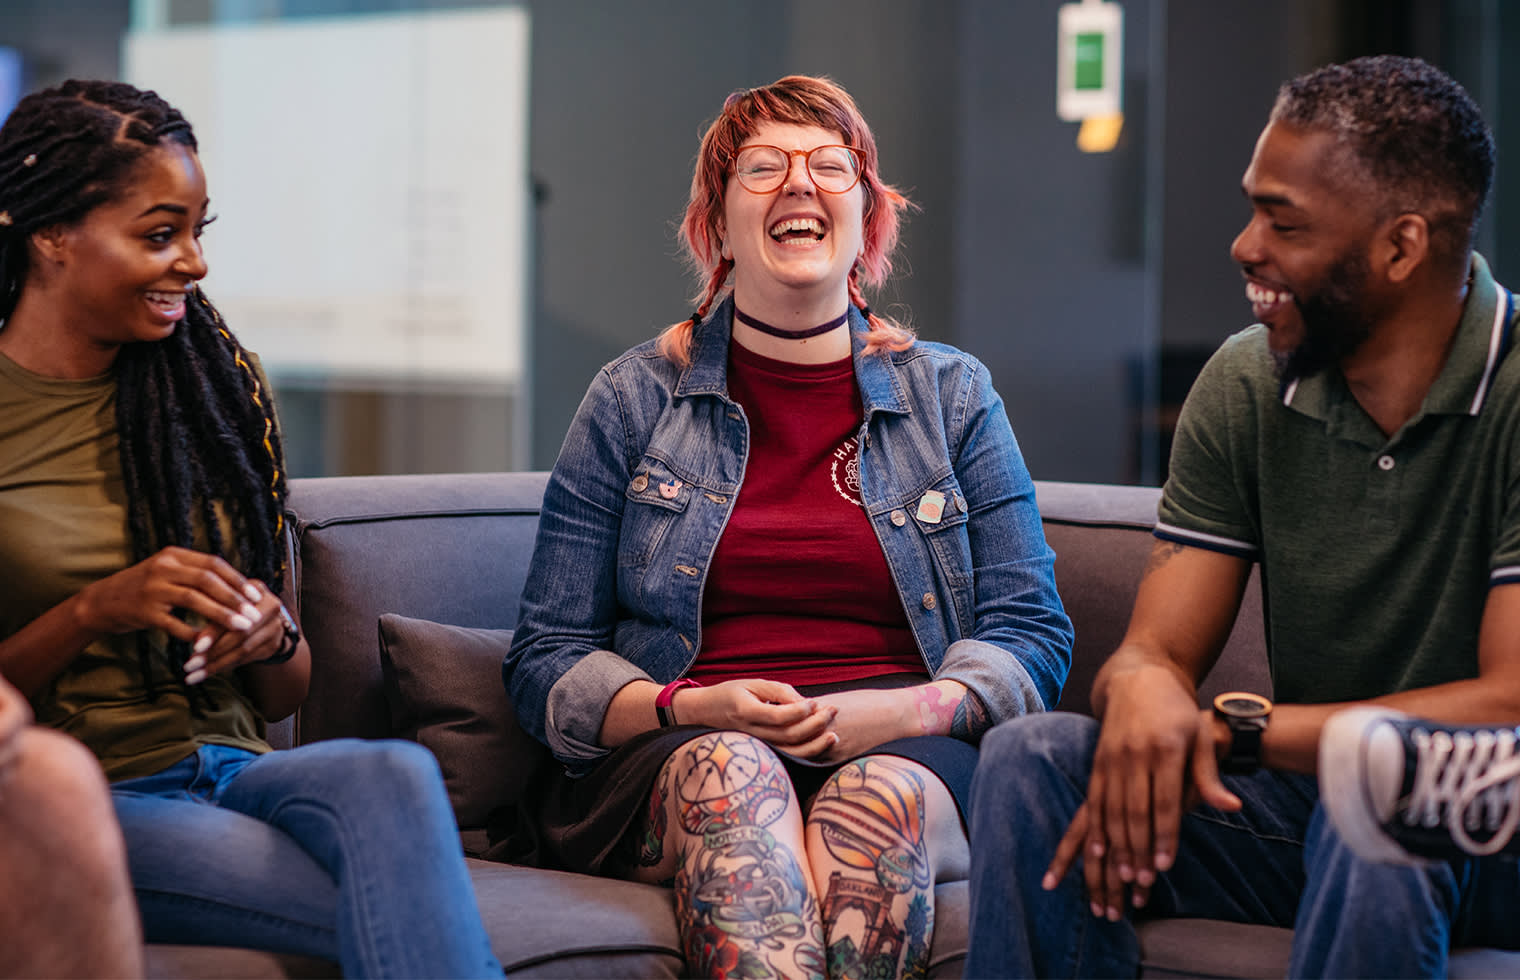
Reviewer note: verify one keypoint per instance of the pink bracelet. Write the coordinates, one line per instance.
(662, 707)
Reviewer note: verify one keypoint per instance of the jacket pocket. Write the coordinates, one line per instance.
(655, 497)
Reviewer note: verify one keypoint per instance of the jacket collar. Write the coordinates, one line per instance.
(881, 387)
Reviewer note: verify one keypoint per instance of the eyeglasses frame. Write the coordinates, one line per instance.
(807, 157)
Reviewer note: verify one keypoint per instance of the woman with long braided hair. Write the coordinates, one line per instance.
(789, 569)
(142, 490)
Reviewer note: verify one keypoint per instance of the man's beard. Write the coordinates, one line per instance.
(1337, 320)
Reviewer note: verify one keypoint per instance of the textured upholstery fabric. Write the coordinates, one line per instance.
(454, 550)
(443, 684)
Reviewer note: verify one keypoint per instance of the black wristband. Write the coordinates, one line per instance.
(290, 644)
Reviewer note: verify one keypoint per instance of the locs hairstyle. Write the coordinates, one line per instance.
(196, 427)
(1413, 129)
(805, 101)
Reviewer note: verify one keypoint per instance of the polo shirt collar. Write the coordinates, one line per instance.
(1483, 338)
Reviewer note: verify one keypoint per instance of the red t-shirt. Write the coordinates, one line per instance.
(799, 590)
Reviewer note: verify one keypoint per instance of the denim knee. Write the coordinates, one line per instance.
(403, 767)
(1059, 740)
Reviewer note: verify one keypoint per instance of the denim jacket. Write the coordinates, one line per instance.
(614, 590)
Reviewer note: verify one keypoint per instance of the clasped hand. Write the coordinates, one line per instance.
(1156, 758)
(825, 727)
(239, 616)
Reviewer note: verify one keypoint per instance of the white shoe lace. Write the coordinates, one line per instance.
(1469, 781)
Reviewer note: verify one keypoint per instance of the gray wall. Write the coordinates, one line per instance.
(1067, 273)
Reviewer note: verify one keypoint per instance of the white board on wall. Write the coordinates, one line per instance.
(370, 177)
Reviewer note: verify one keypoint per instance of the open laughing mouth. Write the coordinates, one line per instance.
(1266, 302)
(800, 230)
(167, 302)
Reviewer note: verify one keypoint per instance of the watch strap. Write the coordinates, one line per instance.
(662, 702)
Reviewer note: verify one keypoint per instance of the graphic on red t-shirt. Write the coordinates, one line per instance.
(844, 468)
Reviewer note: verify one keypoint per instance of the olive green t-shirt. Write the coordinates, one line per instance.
(1377, 552)
(63, 525)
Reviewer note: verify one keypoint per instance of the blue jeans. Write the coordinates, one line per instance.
(1276, 862)
(344, 849)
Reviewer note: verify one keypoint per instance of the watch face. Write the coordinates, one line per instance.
(1242, 705)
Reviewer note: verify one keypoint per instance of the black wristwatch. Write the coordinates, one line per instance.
(1247, 716)
(290, 643)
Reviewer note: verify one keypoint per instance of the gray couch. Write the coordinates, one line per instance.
(422, 551)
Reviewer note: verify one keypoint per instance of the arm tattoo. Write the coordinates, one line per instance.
(971, 719)
(1161, 553)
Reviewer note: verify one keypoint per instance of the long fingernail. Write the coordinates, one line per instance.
(1139, 900)
(195, 678)
(1163, 860)
(239, 623)
(1114, 915)
(1126, 873)
(1048, 882)
(203, 644)
(1146, 877)
(252, 592)
(252, 612)
(194, 663)
(1097, 910)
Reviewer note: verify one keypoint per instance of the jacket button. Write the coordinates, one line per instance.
(929, 601)
(899, 518)
(640, 483)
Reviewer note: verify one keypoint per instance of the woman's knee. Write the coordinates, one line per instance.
(726, 777)
(887, 816)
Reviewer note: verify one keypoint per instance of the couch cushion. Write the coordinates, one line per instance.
(448, 548)
(1102, 539)
(443, 684)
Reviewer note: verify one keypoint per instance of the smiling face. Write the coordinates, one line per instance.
(123, 270)
(792, 248)
(1305, 251)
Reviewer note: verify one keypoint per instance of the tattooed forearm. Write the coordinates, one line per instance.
(971, 719)
(1161, 553)
(936, 712)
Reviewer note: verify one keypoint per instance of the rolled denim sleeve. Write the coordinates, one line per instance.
(1018, 653)
(561, 672)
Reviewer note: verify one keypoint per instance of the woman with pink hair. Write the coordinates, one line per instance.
(789, 569)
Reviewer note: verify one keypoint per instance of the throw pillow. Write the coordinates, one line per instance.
(444, 687)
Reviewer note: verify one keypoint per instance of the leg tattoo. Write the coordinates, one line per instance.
(871, 818)
(742, 899)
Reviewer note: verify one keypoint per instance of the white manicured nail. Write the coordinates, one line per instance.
(194, 664)
(195, 678)
(240, 623)
(252, 612)
(203, 644)
(252, 592)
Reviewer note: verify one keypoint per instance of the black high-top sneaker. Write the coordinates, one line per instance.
(1402, 790)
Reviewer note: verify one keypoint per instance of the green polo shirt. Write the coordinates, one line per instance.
(1377, 552)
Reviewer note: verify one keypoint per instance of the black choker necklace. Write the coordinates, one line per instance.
(764, 327)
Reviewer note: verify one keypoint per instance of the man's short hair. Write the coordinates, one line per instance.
(1417, 133)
